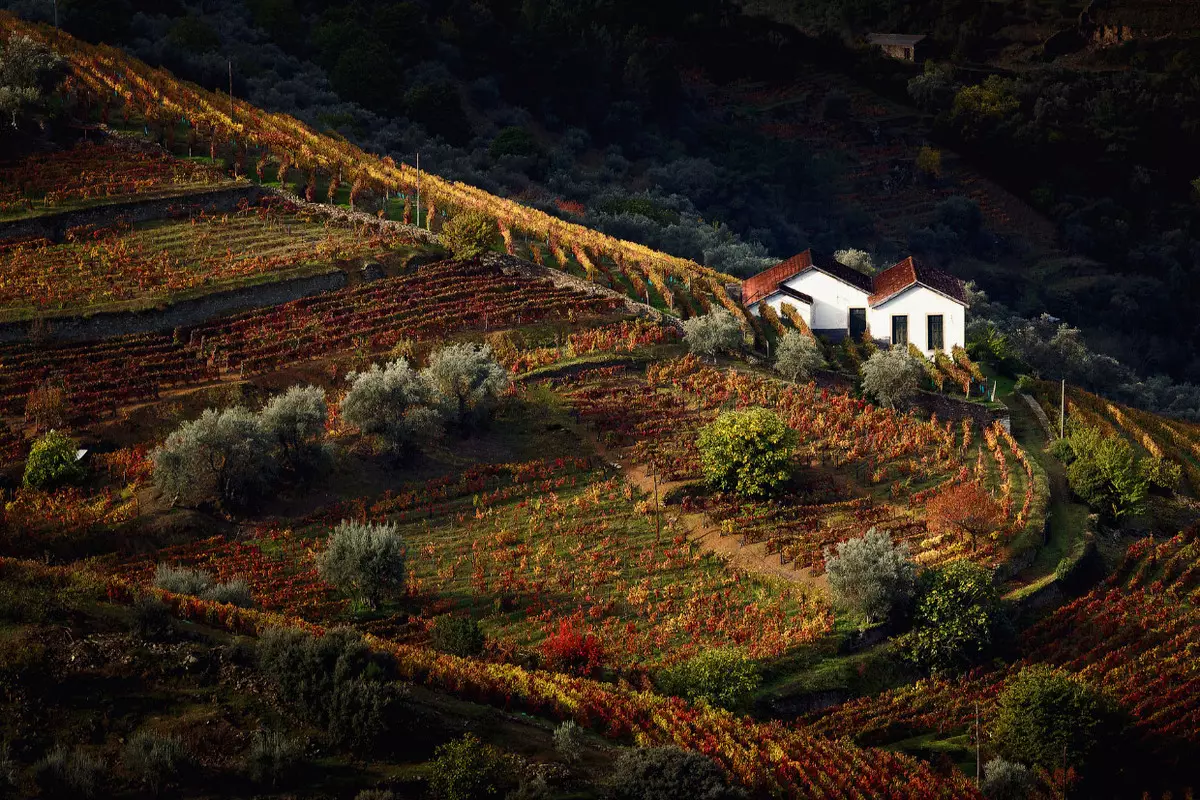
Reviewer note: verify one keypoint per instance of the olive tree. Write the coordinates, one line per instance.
(27, 73)
(891, 376)
(464, 378)
(856, 259)
(364, 560)
(391, 402)
(223, 456)
(797, 355)
(662, 773)
(871, 574)
(1007, 780)
(712, 333)
(296, 421)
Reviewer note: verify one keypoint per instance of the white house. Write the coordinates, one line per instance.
(908, 302)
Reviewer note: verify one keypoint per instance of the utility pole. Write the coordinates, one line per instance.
(418, 188)
(231, 90)
(56, 14)
(1062, 410)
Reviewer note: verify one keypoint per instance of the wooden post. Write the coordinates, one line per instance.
(657, 515)
(418, 188)
(978, 769)
(231, 90)
(1062, 411)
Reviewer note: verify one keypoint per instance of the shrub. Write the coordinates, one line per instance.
(375, 794)
(748, 451)
(856, 259)
(8, 772)
(891, 376)
(1004, 780)
(1106, 473)
(470, 234)
(364, 560)
(222, 456)
(466, 768)
(151, 618)
(929, 161)
(1045, 712)
(52, 462)
(155, 760)
(392, 403)
(568, 741)
(296, 421)
(235, 592)
(570, 650)
(667, 773)
(464, 377)
(273, 754)
(797, 356)
(1162, 473)
(726, 678)
(712, 333)
(181, 580)
(458, 636)
(871, 575)
(359, 713)
(68, 774)
(959, 620)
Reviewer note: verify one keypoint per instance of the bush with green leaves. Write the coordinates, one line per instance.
(295, 420)
(748, 452)
(69, 774)
(891, 376)
(1006, 780)
(52, 462)
(365, 560)
(393, 403)
(234, 592)
(466, 768)
(712, 333)
(667, 773)
(470, 234)
(457, 635)
(797, 356)
(181, 580)
(1105, 472)
(465, 378)
(151, 618)
(958, 621)
(727, 678)
(273, 756)
(224, 456)
(1045, 715)
(28, 72)
(871, 575)
(334, 681)
(568, 741)
(155, 760)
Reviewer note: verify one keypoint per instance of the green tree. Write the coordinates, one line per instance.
(1106, 473)
(470, 234)
(725, 677)
(667, 773)
(513, 141)
(393, 403)
(460, 636)
(748, 451)
(1006, 780)
(466, 769)
(712, 333)
(1045, 714)
(52, 462)
(223, 456)
(981, 107)
(891, 376)
(28, 71)
(364, 560)
(464, 379)
(296, 421)
(797, 355)
(871, 575)
(959, 620)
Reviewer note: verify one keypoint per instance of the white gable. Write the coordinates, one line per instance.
(832, 298)
(917, 303)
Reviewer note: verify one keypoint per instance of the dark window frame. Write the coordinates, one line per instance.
(903, 320)
(941, 329)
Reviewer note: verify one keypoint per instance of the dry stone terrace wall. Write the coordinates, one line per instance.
(181, 314)
(54, 226)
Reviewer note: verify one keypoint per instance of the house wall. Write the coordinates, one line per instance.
(778, 299)
(917, 303)
(832, 299)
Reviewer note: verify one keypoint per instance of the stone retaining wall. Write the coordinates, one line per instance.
(54, 226)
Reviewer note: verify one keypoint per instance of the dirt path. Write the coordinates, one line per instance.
(697, 528)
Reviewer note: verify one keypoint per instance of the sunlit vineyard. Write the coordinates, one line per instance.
(90, 173)
(129, 266)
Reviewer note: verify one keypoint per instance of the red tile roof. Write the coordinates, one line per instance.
(766, 282)
(898, 277)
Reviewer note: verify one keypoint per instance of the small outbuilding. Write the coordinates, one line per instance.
(900, 46)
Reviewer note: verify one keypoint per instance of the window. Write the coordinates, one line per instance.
(935, 339)
(899, 329)
(858, 323)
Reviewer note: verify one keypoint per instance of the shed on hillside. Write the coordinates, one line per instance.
(900, 46)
